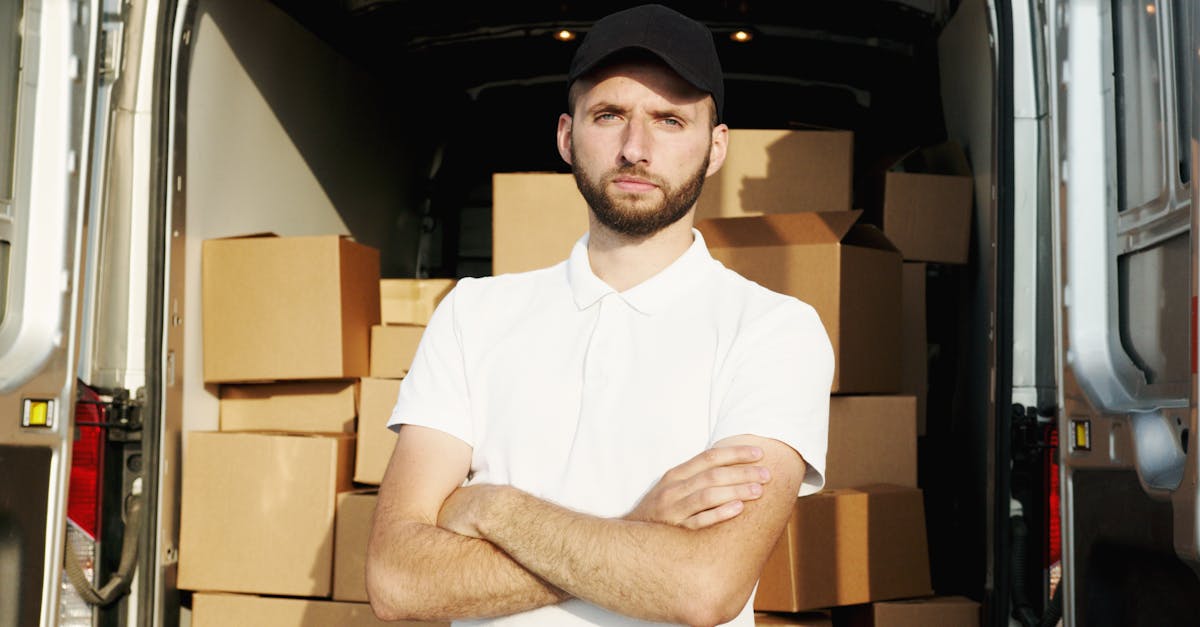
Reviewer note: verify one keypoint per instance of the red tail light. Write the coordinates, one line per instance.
(87, 459)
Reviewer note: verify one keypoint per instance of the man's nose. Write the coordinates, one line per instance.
(638, 142)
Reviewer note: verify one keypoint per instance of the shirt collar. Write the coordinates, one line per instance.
(649, 296)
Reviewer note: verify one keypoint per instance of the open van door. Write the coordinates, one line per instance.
(48, 73)
(1125, 160)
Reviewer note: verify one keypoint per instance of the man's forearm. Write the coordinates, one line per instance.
(644, 570)
(421, 572)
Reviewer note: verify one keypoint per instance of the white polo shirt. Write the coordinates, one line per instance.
(585, 396)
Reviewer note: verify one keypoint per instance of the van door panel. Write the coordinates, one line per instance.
(46, 76)
(1123, 109)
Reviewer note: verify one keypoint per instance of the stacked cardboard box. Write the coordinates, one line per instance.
(805, 619)
(927, 201)
(354, 511)
(287, 308)
(407, 306)
(287, 336)
(240, 610)
(868, 527)
(951, 611)
(846, 270)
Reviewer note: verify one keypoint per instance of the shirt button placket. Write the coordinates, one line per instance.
(597, 366)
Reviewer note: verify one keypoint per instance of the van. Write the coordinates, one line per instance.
(1056, 462)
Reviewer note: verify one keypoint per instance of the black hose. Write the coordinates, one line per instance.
(1022, 610)
(1053, 609)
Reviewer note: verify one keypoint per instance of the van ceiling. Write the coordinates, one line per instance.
(490, 42)
(866, 65)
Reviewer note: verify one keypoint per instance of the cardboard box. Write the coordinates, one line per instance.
(848, 272)
(354, 512)
(287, 308)
(376, 399)
(872, 439)
(780, 171)
(239, 610)
(804, 619)
(411, 301)
(929, 612)
(536, 218)
(258, 511)
(844, 547)
(309, 406)
(393, 348)
(927, 203)
(914, 351)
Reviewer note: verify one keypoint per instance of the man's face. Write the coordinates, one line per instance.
(640, 145)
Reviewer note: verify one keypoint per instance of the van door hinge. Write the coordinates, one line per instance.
(112, 48)
(121, 413)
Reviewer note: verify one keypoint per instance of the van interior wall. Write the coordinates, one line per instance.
(956, 455)
(285, 135)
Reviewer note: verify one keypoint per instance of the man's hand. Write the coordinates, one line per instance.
(460, 513)
(709, 488)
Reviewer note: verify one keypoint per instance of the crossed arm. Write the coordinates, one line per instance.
(690, 552)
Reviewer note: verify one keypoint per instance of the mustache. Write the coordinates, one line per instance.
(633, 170)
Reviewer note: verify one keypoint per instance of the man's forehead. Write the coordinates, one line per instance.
(655, 76)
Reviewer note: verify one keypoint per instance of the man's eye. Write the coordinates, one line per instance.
(606, 116)
(672, 122)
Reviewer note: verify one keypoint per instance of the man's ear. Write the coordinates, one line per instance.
(716, 153)
(564, 137)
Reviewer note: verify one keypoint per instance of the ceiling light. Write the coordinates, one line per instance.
(565, 35)
(741, 36)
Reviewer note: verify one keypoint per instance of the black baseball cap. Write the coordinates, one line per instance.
(681, 42)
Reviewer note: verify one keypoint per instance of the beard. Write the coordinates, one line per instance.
(629, 214)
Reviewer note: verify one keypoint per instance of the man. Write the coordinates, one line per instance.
(634, 423)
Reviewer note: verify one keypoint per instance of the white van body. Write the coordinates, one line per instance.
(131, 131)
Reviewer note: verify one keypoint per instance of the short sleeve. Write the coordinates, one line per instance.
(779, 379)
(434, 394)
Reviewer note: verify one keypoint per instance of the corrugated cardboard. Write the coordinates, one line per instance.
(312, 406)
(393, 348)
(536, 218)
(929, 612)
(258, 511)
(780, 171)
(914, 352)
(354, 512)
(240, 610)
(804, 619)
(287, 308)
(927, 207)
(872, 439)
(376, 399)
(843, 547)
(848, 272)
(411, 301)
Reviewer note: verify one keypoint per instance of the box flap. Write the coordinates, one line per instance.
(265, 234)
(944, 158)
(260, 234)
(868, 236)
(825, 227)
